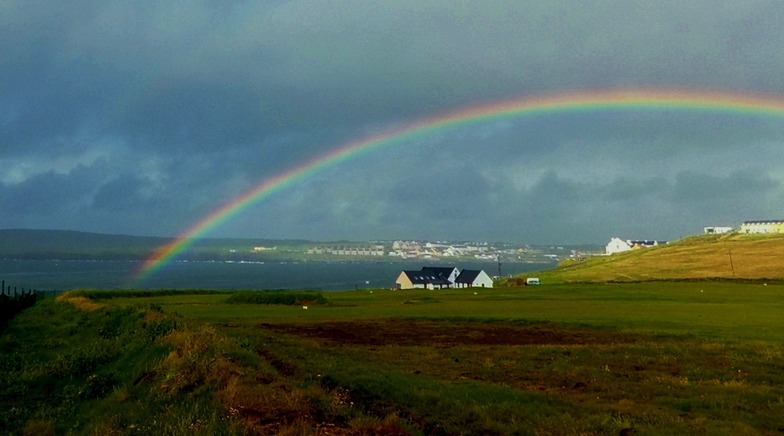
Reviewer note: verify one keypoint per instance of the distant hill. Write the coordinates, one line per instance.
(66, 244)
(26, 243)
(730, 256)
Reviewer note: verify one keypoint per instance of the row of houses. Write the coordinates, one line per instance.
(436, 250)
(373, 250)
(430, 277)
(752, 226)
(762, 226)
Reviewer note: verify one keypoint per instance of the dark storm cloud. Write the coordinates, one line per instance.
(121, 194)
(49, 193)
(141, 117)
(625, 189)
(707, 191)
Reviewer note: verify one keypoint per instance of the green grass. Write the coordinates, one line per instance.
(679, 357)
(58, 361)
(730, 311)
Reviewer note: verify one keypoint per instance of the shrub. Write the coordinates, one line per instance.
(98, 385)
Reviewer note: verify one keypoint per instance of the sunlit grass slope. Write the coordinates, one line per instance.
(732, 256)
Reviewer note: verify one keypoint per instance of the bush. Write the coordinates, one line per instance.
(98, 385)
(157, 328)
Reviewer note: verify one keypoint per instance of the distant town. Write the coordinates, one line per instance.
(455, 251)
(434, 251)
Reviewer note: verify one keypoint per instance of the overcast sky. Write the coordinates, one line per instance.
(142, 117)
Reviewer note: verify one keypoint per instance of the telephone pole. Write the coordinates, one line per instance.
(732, 267)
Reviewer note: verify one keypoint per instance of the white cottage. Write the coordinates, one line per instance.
(472, 278)
(617, 245)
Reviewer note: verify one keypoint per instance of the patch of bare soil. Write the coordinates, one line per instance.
(403, 332)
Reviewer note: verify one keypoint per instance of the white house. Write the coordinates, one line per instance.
(617, 245)
(472, 278)
(433, 277)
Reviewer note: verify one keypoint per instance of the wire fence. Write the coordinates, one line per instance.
(14, 300)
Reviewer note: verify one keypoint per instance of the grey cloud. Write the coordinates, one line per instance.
(625, 189)
(164, 111)
(121, 194)
(734, 194)
(47, 195)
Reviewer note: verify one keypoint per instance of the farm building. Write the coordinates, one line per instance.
(515, 281)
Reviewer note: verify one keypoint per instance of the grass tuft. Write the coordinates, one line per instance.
(79, 301)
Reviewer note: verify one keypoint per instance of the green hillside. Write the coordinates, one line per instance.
(66, 244)
(731, 256)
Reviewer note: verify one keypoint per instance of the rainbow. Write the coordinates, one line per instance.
(587, 101)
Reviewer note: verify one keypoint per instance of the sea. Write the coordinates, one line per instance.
(61, 275)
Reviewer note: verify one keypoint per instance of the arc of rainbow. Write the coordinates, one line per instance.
(653, 99)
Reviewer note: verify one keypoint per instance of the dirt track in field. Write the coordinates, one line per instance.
(403, 332)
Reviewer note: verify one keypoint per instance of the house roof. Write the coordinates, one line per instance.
(763, 221)
(445, 271)
(468, 275)
(424, 278)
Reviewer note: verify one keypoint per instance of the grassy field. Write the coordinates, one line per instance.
(679, 357)
(729, 256)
